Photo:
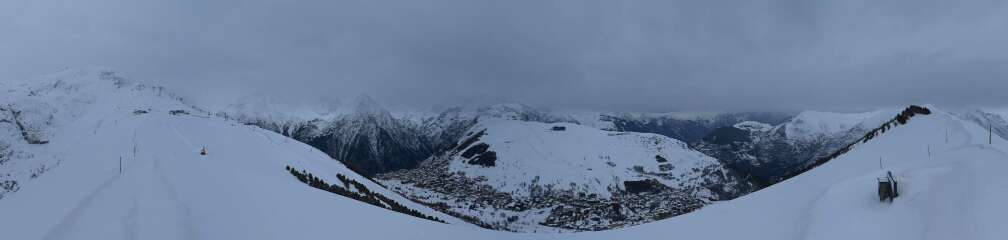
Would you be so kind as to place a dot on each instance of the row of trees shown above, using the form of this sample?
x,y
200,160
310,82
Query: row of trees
x,y
909,112
362,193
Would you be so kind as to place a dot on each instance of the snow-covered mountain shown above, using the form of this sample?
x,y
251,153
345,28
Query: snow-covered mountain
x,y
77,124
362,134
35,111
995,119
954,190
372,139
675,181
688,127
754,149
95,156
518,175
522,112
438,129
765,153
63,136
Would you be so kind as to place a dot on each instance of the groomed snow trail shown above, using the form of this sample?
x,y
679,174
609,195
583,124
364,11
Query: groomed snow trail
x,y
141,200
241,190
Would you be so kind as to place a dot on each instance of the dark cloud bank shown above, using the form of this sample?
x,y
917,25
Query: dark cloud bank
x,y
633,55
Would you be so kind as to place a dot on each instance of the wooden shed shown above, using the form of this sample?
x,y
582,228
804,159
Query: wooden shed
x,y
888,187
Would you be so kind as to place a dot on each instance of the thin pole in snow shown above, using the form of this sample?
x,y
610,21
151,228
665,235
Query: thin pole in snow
x,y
120,164
880,163
990,133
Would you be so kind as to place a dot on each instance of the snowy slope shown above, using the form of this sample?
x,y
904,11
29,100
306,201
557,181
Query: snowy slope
x,y
33,111
994,118
266,108
766,153
955,193
685,126
594,161
520,175
370,138
813,124
362,134
166,190
240,190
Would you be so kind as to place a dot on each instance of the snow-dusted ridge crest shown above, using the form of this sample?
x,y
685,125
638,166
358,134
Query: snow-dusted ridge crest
x,y
35,111
900,119
372,139
436,133
766,153
950,172
116,151
543,164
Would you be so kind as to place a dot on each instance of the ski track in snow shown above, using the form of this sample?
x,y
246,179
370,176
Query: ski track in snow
x,y
177,211
179,134
154,204
71,219
131,220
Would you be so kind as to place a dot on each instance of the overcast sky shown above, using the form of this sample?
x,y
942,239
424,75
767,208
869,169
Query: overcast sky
x,y
635,55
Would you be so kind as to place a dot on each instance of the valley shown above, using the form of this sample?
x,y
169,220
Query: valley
x,y
131,153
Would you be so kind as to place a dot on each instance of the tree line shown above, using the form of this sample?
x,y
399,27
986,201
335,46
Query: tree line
x,y
362,194
901,119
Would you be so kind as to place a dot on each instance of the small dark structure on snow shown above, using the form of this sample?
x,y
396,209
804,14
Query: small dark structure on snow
x,y
558,128
646,185
888,188
203,151
660,159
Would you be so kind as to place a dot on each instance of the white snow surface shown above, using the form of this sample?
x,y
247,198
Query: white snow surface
x,y
166,189
1003,112
240,190
590,118
814,124
264,107
580,158
686,115
753,126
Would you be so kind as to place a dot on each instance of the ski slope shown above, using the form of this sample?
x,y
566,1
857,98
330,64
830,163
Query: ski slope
x,y
241,191
166,189
169,191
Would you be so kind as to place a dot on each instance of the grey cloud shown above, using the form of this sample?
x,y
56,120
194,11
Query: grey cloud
x,y
608,55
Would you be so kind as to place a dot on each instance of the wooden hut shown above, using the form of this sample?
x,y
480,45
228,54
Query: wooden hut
x,y
888,187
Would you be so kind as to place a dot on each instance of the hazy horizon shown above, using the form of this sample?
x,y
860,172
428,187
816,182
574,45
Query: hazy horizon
x,y
633,56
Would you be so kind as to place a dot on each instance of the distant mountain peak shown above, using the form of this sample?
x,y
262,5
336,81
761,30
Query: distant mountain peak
x,y
365,104
77,78
522,112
